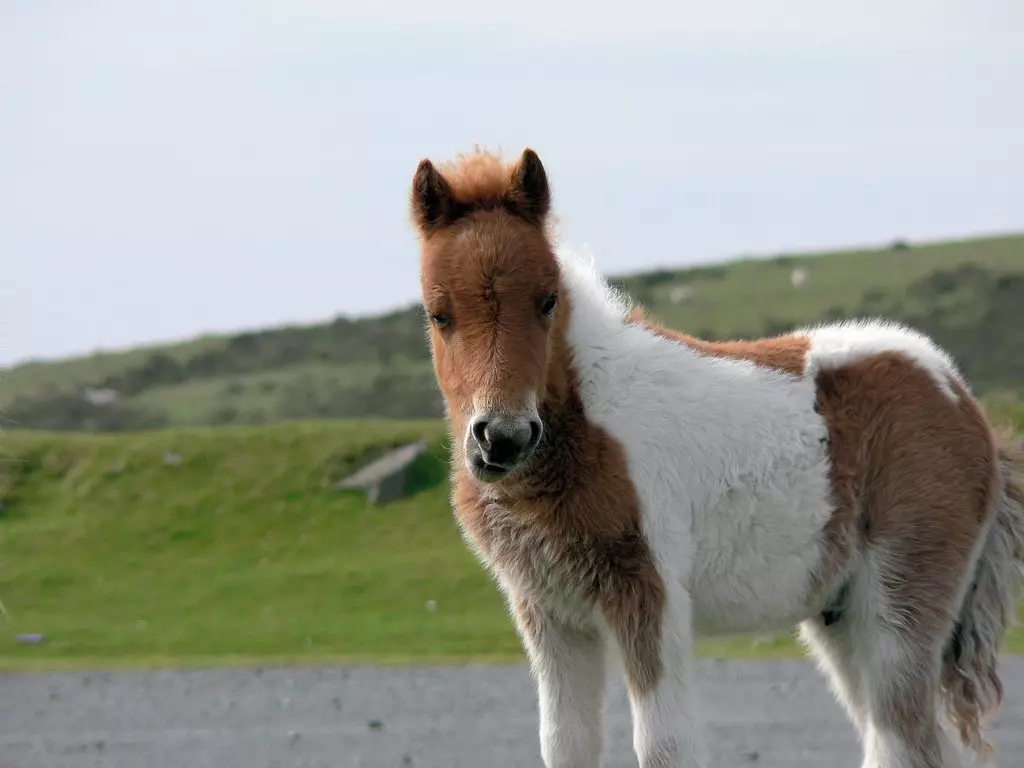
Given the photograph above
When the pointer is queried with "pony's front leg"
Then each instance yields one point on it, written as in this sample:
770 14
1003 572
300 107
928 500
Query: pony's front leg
567 663
655 634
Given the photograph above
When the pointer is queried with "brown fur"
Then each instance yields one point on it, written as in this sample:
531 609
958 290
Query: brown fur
783 353
915 478
899 447
479 181
487 265
479 178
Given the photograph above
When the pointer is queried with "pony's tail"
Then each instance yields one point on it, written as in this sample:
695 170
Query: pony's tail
970 680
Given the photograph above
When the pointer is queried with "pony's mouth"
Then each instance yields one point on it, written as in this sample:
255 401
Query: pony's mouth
489 473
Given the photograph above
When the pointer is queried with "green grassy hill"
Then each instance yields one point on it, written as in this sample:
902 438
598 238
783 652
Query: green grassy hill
969 294
228 545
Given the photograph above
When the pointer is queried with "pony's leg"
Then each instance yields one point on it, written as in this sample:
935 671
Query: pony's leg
833 644
568 664
660 679
903 729
831 648
898 619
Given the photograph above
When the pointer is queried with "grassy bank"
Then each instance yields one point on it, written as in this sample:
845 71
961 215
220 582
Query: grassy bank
228 546
229 542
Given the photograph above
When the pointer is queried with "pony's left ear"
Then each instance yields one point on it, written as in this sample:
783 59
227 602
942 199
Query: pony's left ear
529 192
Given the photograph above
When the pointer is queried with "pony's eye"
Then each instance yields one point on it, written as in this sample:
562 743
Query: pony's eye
441 321
549 305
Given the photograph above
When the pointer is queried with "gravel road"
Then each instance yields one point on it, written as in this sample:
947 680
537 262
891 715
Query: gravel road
763 714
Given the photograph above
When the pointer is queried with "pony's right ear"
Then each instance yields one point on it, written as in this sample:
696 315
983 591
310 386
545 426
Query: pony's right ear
432 203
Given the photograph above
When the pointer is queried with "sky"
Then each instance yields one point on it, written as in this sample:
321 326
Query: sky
175 168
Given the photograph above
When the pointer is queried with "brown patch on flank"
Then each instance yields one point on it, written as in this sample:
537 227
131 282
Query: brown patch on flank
782 353
914 478
911 469
565 529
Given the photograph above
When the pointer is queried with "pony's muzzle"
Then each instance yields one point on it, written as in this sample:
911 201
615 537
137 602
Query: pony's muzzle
498 443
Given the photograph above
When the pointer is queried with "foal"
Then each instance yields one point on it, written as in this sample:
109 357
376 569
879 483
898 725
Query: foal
629 486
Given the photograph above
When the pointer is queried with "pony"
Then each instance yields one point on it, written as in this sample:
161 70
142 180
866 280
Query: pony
630 487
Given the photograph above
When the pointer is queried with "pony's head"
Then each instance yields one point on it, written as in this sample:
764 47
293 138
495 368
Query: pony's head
490 282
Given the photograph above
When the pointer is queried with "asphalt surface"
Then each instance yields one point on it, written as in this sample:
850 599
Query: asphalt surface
764 714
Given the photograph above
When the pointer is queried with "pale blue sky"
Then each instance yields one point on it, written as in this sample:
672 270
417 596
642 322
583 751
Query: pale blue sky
173 168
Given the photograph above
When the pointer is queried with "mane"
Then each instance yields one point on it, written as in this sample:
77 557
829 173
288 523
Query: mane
591 292
479 178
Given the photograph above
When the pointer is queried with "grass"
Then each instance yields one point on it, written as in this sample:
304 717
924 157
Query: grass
239 550
1005 410
192 402
227 546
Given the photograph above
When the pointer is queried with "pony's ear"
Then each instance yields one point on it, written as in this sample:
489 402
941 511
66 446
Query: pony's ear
432 203
529 192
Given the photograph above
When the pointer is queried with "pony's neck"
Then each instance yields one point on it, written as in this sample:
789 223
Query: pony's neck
592 320
596 335
597 308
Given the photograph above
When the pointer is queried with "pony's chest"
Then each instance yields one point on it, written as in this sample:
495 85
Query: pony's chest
548 567
562 573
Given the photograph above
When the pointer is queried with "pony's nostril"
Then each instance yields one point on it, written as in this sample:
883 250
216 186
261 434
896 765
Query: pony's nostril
535 428
480 432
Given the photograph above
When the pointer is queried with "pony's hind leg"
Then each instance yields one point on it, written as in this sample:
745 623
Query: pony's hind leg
901 695
882 653
830 640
